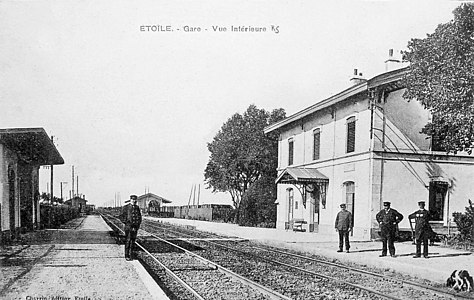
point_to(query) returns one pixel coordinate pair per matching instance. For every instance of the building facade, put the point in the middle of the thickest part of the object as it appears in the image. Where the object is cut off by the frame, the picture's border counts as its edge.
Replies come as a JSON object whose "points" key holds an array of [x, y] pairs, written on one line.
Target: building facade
{"points": [[22, 152], [362, 147], [78, 202], [150, 202]]}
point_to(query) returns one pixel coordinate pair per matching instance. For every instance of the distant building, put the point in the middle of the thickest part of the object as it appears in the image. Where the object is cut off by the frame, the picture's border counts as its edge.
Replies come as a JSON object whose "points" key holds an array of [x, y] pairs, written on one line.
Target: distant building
{"points": [[361, 147], [151, 202], [77, 202], [22, 152], [90, 207]]}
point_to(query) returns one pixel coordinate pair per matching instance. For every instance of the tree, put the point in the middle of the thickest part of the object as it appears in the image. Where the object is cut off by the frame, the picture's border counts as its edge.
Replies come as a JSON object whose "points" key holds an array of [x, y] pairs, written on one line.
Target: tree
{"points": [[465, 222], [258, 203], [241, 153], [441, 77], [47, 197]]}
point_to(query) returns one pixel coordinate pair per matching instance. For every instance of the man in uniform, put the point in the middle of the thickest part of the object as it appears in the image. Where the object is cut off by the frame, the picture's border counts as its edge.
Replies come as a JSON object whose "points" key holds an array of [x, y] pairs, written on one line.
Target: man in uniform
{"points": [[388, 220], [132, 218], [423, 229], [344, 224]]}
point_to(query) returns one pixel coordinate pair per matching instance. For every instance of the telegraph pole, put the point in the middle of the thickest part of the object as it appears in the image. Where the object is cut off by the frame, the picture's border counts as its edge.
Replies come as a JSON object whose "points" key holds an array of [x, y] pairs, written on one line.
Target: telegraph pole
{"points": [[52, 194], [65, 182], [73, 195], [199, 192]]}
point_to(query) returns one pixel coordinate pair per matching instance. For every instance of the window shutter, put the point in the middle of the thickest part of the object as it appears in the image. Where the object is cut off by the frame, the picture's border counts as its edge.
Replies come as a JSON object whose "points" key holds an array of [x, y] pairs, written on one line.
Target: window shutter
{"points": [[290, 152], [316, 143], [350, 135]]}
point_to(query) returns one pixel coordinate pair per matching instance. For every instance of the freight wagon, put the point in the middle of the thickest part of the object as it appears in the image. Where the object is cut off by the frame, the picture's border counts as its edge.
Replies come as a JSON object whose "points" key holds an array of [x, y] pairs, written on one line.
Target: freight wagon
{"points": [[205, 212]]}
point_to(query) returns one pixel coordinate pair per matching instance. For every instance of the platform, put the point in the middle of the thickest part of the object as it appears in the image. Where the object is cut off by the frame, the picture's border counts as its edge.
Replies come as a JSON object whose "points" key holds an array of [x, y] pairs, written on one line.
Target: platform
{"points": [[80, 261], [441, 263]]}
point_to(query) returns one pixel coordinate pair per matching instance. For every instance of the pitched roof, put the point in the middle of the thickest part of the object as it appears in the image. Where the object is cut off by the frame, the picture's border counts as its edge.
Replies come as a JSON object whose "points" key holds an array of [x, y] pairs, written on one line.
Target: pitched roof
{"points": [[389, 79], [151, 196]]}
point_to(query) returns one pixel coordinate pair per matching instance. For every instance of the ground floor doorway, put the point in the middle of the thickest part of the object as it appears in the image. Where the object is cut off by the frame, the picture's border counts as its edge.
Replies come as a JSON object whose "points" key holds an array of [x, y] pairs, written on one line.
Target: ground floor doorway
{"points": [[437, 197]]}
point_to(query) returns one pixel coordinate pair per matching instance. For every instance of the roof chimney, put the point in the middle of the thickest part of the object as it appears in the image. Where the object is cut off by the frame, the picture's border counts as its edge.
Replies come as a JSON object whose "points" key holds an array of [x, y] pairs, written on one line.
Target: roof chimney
{"points": [[357, 78], [392, 63]]}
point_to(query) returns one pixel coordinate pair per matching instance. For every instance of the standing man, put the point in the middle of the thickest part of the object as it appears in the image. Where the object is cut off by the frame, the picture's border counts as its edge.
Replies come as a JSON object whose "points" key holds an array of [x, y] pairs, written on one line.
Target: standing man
{"points": [[344, 224], [422, 229], [132, 217], [388, 219]]}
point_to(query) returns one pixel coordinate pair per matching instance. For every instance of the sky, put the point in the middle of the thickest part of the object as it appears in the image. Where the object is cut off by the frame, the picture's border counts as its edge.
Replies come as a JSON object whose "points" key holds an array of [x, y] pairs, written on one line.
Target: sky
{"points": [[133, 109]]}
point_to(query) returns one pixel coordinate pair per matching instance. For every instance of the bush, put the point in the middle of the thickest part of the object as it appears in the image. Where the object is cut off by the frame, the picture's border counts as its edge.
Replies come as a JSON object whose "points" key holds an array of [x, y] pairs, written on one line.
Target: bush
{"points": [[52, 216], [257, 207], [465, 223]]}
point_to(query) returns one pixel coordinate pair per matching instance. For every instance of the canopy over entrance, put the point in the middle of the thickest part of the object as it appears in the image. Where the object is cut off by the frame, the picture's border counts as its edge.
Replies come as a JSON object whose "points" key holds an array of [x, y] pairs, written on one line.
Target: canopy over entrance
{"points": [[301, 176], [305, 180]]}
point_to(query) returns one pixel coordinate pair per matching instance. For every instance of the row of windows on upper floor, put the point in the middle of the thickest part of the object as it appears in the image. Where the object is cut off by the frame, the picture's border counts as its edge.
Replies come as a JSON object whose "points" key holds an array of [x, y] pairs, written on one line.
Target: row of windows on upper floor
{"points": [[350, 141]]}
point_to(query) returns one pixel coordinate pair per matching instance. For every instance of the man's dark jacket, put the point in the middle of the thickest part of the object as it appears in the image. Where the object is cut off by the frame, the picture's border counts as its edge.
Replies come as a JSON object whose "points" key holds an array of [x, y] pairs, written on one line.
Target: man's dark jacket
{"points": [[388, 220], [344, 220], [131, 216], [422, 225]]}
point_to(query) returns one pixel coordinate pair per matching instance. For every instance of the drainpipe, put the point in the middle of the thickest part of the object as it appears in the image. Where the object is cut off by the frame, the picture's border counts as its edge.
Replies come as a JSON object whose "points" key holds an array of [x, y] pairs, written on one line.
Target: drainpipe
{"points": [[371, 93], [334, 112], [447, 210], [384, 121]]}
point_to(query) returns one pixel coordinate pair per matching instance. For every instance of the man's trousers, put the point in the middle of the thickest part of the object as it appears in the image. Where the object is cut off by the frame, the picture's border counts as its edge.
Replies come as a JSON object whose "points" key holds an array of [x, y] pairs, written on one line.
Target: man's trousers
{"points": [[344, 237], [130, 237]]}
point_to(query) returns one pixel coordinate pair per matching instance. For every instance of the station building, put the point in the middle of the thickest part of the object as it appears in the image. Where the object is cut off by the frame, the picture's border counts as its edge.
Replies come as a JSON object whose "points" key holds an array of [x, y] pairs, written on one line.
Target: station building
{"points": [[78, 202], [364, 146], [150, 202], [22, 152]]}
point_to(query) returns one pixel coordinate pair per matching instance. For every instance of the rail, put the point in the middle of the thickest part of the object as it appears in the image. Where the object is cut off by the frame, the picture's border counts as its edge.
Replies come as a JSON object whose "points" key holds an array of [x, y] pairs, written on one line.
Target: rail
{"points": [[377, 275], [260, 288]]}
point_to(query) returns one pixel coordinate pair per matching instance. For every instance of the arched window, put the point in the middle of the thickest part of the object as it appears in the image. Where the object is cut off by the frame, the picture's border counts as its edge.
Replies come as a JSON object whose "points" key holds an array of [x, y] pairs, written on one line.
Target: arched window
{"points": [[291, 199], [350, 138], [437, 196], [349, 187]]}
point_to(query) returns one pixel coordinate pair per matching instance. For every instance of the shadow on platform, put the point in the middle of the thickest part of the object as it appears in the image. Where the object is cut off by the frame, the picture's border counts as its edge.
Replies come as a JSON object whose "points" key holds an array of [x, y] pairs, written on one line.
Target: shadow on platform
{"points": [[51, 236], [366, 250]]}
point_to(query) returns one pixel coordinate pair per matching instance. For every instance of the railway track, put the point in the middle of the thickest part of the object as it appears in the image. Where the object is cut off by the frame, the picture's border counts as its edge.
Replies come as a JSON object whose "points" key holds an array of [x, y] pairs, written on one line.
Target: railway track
{"points": [[295, 283], [375, 283], [186, 275]]}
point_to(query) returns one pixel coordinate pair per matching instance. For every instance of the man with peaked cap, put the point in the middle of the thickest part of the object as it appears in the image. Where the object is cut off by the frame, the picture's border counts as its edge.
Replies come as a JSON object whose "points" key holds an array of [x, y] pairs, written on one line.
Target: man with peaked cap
{"points": [[388, 219], [132, 218], [423, 229], [344, 224]]}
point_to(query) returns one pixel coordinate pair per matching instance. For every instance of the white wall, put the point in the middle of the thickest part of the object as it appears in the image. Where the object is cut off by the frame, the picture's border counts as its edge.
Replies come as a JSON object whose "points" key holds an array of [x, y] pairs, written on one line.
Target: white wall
{"points": [[334, 163], [405, 120], [333, 134], [404, 190], [395, 181]]}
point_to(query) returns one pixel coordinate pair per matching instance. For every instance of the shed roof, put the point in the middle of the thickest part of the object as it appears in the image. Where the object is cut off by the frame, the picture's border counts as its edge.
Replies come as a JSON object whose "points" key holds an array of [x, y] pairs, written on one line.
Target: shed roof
{"points": [[32, 145]]}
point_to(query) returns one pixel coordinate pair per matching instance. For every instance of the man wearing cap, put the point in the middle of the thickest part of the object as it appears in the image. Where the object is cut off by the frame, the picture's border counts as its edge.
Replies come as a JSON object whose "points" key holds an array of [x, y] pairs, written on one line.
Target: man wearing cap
{"points": [[422, 229], [388, 219], [344, 224], [132, 218]]}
